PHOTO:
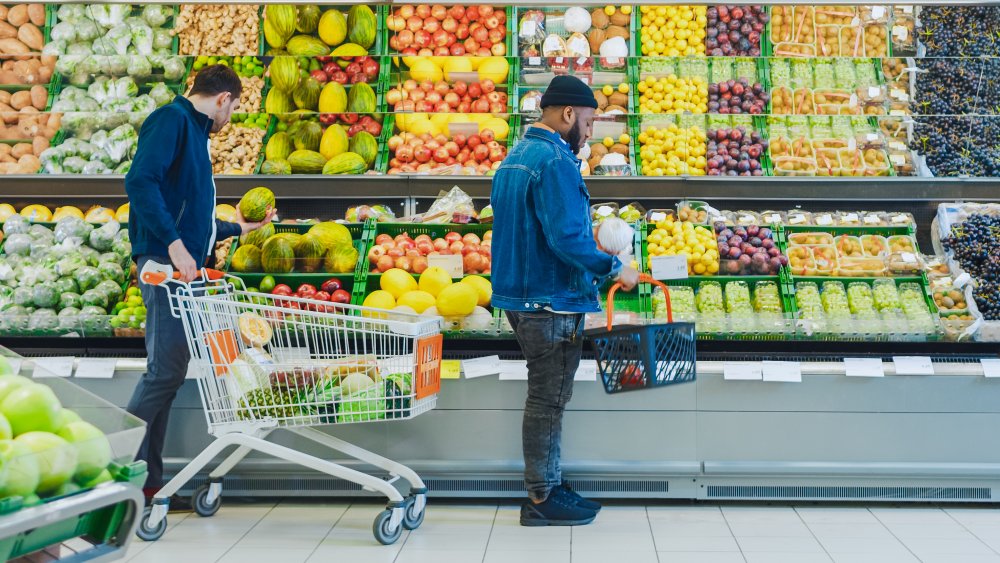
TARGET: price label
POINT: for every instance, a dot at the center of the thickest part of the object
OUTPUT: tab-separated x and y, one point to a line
872	219
900	32
851	217
451	369
913	365
528	28
786	372
824	220
96	368
534	61
514	370
481	367
451	263
796	219
878	12
773	218
53	367
909	257
587	371
530	104
991	367
657	216
742	372
906	9
874	91
864	367
670	267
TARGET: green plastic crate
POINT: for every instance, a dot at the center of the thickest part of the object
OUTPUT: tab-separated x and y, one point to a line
380	47
252	279
434	230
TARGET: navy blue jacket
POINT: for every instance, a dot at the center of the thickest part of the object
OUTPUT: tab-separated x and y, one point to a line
544	253
170	185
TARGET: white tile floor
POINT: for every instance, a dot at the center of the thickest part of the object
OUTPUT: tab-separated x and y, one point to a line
295	532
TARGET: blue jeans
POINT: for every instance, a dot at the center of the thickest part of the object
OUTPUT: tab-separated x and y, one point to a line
552	344
166	367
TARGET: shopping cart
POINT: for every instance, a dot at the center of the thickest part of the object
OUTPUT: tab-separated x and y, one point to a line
632	357
265	362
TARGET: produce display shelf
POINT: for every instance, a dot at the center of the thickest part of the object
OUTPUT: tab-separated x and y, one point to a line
397	76
770	45
272	123
390	124
378	85
433	230
46	30
510	38
380	47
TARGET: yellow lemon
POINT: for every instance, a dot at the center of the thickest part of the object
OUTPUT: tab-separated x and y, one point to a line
607	90
380	299
609	10
609	142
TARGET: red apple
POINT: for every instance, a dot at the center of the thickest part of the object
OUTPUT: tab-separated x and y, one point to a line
439	12
456	247
440	244
486	135
497	154
481	35
403	263
441	155
471	238
457	50
452	148
474	141
452	237
480	106
385	263
423	10
462	32
406	11
419	265
457	12
481	153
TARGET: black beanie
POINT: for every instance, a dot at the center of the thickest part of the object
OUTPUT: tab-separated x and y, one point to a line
565	90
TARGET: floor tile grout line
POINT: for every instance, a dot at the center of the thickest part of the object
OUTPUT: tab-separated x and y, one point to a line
237	542
650	524
812	533
893	534
486	550
339	518
964	527
731	534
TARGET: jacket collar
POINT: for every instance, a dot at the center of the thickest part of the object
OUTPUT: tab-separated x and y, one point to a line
550	136
203	121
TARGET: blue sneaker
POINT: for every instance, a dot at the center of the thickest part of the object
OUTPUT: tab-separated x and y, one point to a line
560	509
580	501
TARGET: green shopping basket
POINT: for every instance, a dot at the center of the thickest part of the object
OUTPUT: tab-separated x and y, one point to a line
632	357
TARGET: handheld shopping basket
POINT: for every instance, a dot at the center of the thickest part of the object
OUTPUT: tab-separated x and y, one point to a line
634	357
265	362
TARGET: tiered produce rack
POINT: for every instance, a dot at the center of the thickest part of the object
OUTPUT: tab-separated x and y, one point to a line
840	451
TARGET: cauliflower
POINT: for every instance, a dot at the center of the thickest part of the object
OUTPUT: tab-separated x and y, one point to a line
162	39
156	15
63	31
142	39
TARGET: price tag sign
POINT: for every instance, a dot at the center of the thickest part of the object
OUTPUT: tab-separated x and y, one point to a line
742	372
587	371
864	367
878	12
670	267
53	367
451	263
514	370
96	368
785	372
913	365
481	367
991	367
451	369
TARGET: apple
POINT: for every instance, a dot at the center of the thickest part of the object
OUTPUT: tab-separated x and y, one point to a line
481	153
331	285
32	407
10	382
55	456
432	25
469	248
20	469
340	296
403	263
423	10
452	237
384	263
456	247
92	449
440	244
414	253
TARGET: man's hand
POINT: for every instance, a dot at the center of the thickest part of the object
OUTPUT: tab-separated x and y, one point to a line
628	277
182	261
247	226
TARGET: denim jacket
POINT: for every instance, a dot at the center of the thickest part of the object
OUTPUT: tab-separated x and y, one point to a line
544	253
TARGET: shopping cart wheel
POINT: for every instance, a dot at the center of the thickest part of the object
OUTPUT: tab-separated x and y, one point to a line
413	517
383	530
147	533
200	503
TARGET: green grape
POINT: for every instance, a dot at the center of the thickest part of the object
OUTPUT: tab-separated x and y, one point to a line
807	300
709	299
844	70
824	75
859	296
802	76
835	299
911	299
738	298
886	296
781	73
745	68
766	298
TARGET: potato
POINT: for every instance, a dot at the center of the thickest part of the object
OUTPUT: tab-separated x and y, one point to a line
13	47
36	13
19	100
39	144
20	150
4	97
39	97
17	15
4	148
29	163
31	36
7	31
599	19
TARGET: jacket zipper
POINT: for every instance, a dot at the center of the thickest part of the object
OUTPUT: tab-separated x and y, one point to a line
181	214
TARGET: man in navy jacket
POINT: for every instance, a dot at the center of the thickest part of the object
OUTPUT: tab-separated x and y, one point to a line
172	195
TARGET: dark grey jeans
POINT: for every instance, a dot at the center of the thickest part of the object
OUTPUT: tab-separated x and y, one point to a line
552	344
166	367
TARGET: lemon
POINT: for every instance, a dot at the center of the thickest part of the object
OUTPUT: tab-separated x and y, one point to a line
608	90
397	282
626	10
624	139
608	142
457	300
623	88
434	280
609	10
417	300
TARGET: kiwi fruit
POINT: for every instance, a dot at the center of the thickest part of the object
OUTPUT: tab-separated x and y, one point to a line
598	150
618	18
599	19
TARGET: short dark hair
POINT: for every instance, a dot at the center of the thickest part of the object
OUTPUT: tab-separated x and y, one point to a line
216	79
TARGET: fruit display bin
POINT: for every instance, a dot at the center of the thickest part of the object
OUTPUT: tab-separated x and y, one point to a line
382	139
510	40
398	75
808	43
642	122
866	95
612	127
46	29
378	48
530	83
847	268
433	230
379	85
885	320
537	69
392	121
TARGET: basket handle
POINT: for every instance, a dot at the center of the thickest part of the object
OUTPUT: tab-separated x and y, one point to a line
642	278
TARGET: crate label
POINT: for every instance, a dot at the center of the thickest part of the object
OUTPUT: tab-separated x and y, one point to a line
824	220
897	146
481	367
851	217
874	91
913	365
747	220
657	217
872	137
773	218
909	257
897	159
451	369
864	367
797	219
514	370
872	219
53	367
96	368
587	371
451	263
900	32
669	267
528	28
534	61
784	372
991	367
900	219
878	12
742	372
906	9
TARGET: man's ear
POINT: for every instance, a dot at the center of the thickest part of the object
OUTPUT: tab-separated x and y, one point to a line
567	115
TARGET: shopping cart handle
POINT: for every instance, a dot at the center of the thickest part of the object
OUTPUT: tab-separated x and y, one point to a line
158	274
642	278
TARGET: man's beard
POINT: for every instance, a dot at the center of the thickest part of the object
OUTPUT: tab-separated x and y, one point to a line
574	137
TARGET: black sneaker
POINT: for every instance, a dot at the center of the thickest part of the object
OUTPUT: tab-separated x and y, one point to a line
580	501
560	509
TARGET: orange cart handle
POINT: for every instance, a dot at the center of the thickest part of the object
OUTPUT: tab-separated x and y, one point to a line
642	278
157	278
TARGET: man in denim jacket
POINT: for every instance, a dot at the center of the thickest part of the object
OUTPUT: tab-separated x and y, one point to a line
546	273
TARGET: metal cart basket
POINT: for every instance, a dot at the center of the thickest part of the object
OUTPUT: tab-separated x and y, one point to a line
265	362
635	357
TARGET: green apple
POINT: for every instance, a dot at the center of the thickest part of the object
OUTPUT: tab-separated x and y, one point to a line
56	459
5	367
68	488
103	477
21	468
67	416
10	382
92	447
5	432
32	407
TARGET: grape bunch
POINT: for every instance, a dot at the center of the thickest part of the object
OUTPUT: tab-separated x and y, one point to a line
941	31
975	244
957	145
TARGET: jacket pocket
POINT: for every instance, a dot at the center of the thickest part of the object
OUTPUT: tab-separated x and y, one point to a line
180	215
